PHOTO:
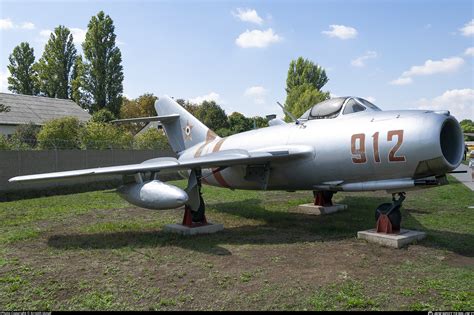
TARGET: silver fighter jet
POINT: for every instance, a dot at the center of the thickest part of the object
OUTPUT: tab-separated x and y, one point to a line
341	144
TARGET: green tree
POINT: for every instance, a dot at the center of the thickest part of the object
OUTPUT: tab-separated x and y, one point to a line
54	66
143	106
302	98
260	122
100	136
78	92
102	116
103	75
239	123
212	115
60	133
467	126
224	132
23	76
151	139
303	71
303	86
187	105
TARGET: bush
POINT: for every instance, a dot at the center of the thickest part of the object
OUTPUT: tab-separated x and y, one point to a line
60	133
151	139
100	136
17	144
4	144
26	135
102	116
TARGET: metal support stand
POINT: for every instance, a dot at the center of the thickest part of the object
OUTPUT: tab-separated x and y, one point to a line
389	216
194	222
388	231
188	218
323	198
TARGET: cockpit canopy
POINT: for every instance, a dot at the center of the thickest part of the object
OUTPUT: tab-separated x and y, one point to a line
331	108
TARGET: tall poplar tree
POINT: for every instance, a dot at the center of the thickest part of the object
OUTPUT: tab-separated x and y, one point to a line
103	65
79	93
22	78
54	67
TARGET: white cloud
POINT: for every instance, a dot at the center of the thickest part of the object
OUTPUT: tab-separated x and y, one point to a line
6	24
213	96
468	29
27	26
4	80
401	81
44	36
446	65
360	62
248	15
78	34
459	102
341	32
257	38
469	51
257	93
432	67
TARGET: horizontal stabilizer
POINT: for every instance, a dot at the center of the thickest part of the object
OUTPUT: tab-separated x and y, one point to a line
164	119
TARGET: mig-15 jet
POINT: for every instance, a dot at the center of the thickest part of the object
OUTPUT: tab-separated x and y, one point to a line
341	144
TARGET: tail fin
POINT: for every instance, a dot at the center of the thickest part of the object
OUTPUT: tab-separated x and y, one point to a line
184	132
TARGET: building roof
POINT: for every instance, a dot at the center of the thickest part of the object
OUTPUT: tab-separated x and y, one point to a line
37	109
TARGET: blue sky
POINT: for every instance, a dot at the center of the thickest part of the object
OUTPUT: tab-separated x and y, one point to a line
399	54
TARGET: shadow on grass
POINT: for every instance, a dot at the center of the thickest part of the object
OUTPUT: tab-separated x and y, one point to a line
279	227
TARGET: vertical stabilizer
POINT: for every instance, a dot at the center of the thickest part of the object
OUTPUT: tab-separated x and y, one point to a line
184	132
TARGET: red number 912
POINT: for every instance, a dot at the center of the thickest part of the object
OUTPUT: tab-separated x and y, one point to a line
358	147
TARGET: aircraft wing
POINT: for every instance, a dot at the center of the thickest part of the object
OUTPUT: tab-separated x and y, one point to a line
218	159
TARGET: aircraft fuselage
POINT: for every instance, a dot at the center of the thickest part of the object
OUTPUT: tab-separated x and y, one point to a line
355	148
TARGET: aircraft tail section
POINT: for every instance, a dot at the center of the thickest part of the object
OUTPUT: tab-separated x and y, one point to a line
185	131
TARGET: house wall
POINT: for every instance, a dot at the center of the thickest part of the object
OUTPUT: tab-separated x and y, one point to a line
7	129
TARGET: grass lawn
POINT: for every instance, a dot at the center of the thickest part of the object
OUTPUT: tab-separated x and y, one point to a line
94	251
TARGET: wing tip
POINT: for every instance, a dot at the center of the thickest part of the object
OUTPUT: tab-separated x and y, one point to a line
14	179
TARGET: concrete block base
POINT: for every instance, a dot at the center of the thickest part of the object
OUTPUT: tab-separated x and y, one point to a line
404	238
310	208
185	230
